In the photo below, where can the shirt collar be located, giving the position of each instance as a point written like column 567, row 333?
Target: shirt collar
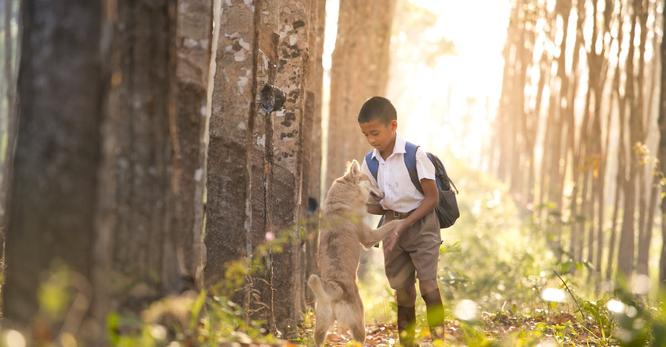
column 398, row 147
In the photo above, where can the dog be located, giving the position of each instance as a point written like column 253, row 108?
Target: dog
column 342, row 237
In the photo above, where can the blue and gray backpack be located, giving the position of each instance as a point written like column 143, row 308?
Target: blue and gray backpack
column 447, row 210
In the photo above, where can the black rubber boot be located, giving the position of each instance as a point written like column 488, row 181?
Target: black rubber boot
column 407, row 325
column 435, row 313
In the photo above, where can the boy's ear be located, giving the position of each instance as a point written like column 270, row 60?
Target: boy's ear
column 394, row 124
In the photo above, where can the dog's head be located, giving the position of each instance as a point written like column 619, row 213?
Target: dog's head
column 351, row 189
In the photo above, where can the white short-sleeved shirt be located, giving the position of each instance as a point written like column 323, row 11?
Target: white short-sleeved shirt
column 393, row 179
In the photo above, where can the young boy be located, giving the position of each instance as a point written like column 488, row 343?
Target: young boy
column 412, row 251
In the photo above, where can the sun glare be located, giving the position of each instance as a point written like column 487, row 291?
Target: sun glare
column 449, row 103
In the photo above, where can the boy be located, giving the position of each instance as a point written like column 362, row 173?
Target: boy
column 412, row 250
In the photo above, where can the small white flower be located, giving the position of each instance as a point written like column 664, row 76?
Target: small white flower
column 553, row 295
column 159, row 332
column 615, row 306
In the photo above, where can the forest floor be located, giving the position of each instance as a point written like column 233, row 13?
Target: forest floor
column 493, row 329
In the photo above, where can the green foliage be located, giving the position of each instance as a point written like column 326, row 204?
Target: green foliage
column 54, row 295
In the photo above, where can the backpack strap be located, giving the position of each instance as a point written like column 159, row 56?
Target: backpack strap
column 373, row 164
column 410, row 162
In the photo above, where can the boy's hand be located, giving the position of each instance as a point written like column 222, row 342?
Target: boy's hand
column 392, row 238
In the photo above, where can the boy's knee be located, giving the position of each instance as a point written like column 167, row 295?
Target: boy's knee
column 428, row 286
column 406, row 296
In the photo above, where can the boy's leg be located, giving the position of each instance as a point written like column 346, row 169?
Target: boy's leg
column 400, row 272
column 425, row 245
column 406, row 298
column 434, row 308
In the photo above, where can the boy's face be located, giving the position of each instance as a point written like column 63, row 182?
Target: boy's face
column 379, row 134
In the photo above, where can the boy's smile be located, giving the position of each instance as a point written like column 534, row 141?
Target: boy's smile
column 380, row 135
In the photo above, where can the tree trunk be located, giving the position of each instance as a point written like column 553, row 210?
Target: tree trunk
column 8, row 121
column 93, row 177
column 261, row 155
column 621, row 155
column 138, row 192
column 360, row 71
column 645, row 170
column 312, row 146
column 226, row 237
column 507, row 108
column 195, row 45
column 576, row 166
column 54, row 187
column 662, row 152
column 627, row 243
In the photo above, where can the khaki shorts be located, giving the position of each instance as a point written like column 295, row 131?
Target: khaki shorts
column 416, row 253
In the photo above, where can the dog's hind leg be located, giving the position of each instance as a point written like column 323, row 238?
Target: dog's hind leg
column 358, row 331
column 323, row 320
column 358, row 322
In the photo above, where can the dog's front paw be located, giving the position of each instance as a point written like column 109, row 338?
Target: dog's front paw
column 392, row 224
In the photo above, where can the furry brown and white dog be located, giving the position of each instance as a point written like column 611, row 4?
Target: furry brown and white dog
column 342, row 237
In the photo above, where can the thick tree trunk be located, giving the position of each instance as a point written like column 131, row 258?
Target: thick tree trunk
column 226, row 235
column 138, row 188
column 360, row 71
column 93, row 182
column 263, row 159
column 54, row 188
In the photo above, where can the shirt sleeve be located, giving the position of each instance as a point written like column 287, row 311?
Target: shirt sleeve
column 424, row 167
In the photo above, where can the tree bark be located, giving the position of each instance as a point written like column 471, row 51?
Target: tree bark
column 662, row 152
column 54, row 189
column 138, row 192
column 621, row 152
column 261, row 155
column 196, row 49
column 226, row 235
column 627, row 243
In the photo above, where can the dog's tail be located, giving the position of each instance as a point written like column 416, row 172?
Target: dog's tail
column 314, row 282
column 333, row 291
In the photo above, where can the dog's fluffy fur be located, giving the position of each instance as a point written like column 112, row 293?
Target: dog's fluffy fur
column 343, row 234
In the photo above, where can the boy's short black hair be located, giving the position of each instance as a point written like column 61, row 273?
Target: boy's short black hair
column 377, row 107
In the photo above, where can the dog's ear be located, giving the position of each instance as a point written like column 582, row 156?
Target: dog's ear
column 353, row 170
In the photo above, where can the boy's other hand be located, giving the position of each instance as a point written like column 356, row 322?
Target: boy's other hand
column 375, row 197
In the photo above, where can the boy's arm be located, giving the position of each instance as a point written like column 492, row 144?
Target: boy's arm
column 374, row 208
column 430, row 200
column 426, row 173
